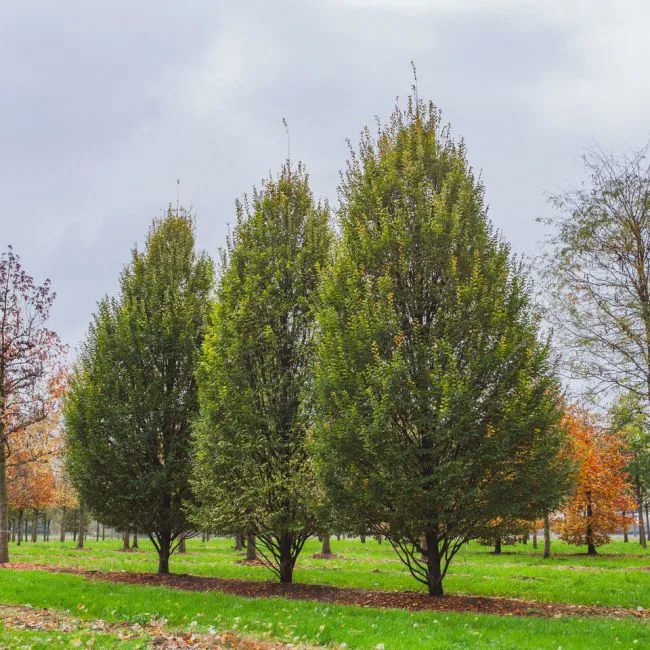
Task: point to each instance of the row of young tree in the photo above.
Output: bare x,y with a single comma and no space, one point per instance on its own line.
385,375
377,369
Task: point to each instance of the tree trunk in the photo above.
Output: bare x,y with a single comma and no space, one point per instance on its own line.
251,548
62,536
182,547
547,536
327,547
4,504
639,500
103,532
434,573
363,539
239,544
97,532
125,541
535,539
82,527
21,514
591,546
163,554
135,540
625,535
525,538
497,546
286,561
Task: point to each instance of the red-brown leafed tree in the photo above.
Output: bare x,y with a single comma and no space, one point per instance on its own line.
30,367
31,485
602,495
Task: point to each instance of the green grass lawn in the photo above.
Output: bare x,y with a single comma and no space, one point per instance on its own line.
569,577
314,623
615,578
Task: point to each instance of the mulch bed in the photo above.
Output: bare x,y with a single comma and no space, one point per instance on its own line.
246,562
327,556
409,600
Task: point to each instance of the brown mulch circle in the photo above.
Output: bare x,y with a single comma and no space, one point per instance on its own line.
409,600
246,562
327,556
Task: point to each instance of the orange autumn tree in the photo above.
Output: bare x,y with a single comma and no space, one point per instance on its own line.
65,496
30,487
30,471
603,493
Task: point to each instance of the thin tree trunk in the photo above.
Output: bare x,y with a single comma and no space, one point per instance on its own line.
103,532
497,546
547,536
21,514
239,545
625,535
639,500
135,540
97,532
125,541
251,548
591,546
4,504
62,535
535,539
182,547
34,526
363,539
327,547
434,572
82,527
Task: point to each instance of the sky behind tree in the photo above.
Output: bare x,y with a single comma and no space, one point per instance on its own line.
105,105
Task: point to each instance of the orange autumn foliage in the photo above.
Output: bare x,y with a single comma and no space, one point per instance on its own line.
603,493
30,470
31,485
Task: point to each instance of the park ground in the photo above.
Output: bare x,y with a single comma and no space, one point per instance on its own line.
53,595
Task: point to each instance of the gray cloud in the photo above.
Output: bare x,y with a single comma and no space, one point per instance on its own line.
104,105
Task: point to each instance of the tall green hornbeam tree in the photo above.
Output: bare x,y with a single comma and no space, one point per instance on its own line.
253,473
439,407
133,393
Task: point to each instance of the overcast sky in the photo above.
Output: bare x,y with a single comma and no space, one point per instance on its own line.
105,104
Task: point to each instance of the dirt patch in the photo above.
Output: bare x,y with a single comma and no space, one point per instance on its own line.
251,562
328,556
409,600
154,632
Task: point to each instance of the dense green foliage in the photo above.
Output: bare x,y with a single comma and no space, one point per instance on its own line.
438,407
133,394
253,472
